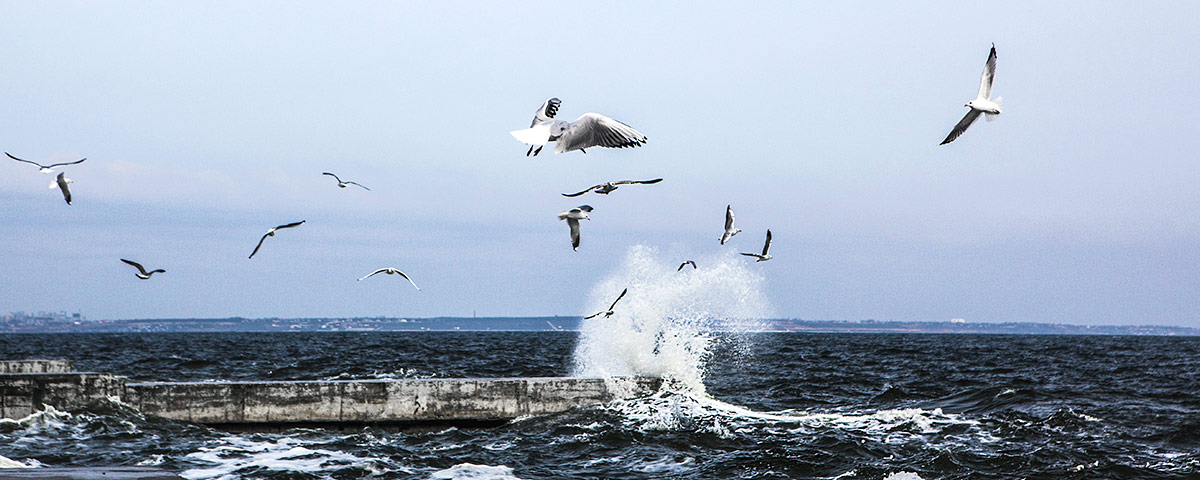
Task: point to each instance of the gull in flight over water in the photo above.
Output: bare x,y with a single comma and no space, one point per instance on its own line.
142,273
391,271
572,217
342,184
46,168
610,311
982,104
766,254
729,230
61,182
606,188
544,116
587,131
684,264
271,233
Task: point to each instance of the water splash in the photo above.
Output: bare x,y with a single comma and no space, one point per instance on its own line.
665,326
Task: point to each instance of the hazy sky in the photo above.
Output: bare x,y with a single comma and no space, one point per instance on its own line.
206,123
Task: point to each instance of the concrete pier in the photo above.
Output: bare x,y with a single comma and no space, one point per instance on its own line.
266,406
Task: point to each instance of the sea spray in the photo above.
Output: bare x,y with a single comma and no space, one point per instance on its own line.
665,325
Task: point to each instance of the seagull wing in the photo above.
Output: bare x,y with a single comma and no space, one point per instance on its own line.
767,245
62,185
574,224
369,275
684,264
547,112
592,315
65,164
135,264
631,182
414,284
157,270
728,217
260,242
26,161
586,208
290,225
583,192
962,126
595,130
359,184
335,177
989,72
619,297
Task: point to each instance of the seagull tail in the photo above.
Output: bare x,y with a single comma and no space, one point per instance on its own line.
999,101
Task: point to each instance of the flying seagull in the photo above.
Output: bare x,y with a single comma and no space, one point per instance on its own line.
572,217
544,116
729,230
391,271
143,274
342,184
46,168
982,103
766,255
587,131
684,264
61,182
609,312
606,188
271,233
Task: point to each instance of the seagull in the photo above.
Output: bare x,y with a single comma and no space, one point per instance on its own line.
342,184
610,311
144,275
982,103
544,116
61,182
606,188
46,168
766,255
589,130
729,230
572,217
271,233
684,264
391,271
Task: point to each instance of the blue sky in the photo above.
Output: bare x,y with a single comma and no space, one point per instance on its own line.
206,123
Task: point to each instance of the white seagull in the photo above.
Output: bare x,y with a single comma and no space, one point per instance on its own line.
572,217
46,168
982,103
61,182
766,253
587,131
606,188
544,116
391,271
142,273
729,230
342,184
686,263
610,311
271,233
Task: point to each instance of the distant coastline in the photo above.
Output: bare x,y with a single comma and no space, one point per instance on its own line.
557,323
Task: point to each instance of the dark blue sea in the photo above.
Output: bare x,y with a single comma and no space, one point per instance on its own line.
759,406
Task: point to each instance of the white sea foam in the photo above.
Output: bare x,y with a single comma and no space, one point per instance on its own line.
470,471
903,476
665,326
282,455
10,463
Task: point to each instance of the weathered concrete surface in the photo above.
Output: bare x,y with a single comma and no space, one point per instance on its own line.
351,402
36,366
88,473
22,394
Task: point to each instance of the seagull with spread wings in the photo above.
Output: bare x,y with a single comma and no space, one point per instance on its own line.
271,233
729,230
587,131
766,253
609,312
342,184
46,168
573,216
606,188
982,104
142,273
391,271
686,263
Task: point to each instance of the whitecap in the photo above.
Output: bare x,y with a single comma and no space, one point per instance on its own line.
470,471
